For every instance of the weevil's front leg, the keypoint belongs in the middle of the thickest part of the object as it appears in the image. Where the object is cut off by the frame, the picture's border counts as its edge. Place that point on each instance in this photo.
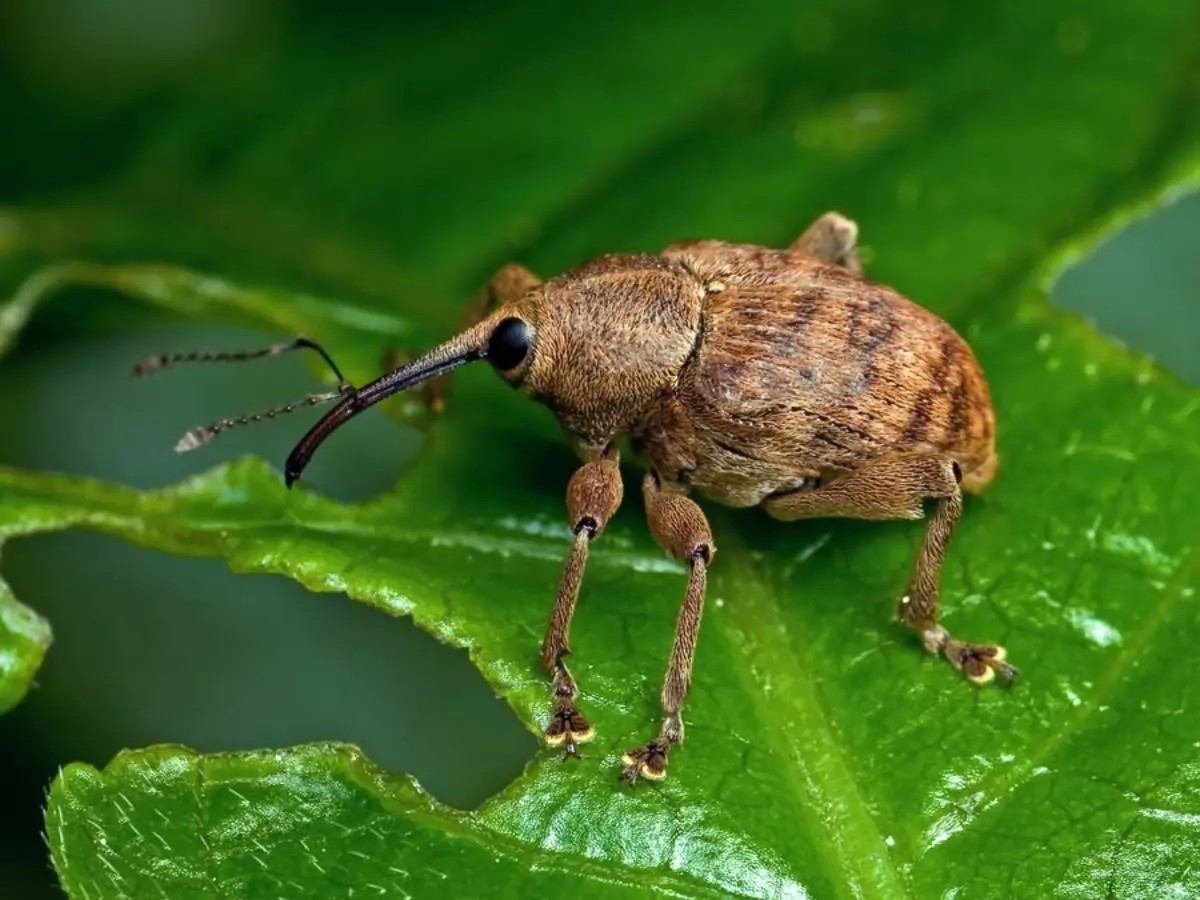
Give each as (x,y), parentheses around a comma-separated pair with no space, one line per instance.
(893,487)
(593,495)
(833,239)
(510,282)
(680,528)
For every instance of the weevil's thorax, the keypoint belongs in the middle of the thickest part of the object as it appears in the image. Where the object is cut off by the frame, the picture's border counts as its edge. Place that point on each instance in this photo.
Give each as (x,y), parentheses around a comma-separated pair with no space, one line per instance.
(612,337)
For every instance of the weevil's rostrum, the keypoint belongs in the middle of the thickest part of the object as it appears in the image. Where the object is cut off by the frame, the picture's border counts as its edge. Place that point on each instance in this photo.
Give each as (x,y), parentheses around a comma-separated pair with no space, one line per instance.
(751,376)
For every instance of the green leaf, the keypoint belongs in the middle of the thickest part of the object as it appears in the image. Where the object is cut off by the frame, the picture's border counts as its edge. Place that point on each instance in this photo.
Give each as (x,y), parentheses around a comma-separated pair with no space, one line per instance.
(24,638)
(222,825)
(825,755)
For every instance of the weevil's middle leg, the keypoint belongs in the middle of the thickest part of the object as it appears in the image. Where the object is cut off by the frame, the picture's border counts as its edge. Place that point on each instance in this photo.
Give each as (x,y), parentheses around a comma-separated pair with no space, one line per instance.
(893,487)
(680,528)
(593,495)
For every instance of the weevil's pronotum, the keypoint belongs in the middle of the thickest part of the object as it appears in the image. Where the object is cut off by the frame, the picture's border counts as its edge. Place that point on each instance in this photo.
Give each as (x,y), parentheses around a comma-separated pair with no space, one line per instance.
(753,376)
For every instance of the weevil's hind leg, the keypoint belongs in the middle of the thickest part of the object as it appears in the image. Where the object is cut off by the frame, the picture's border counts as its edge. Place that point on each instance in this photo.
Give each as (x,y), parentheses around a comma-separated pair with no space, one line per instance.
(680,528)
(510,282)
(919,608)
(833,239)
(593,496)
(894,487)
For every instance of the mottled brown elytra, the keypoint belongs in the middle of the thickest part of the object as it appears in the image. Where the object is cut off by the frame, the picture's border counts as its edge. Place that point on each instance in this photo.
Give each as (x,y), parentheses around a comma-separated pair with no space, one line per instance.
(754,376)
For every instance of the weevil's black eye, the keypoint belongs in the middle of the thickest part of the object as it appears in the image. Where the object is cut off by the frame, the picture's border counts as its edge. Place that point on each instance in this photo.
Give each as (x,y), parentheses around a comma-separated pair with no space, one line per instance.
(509,344)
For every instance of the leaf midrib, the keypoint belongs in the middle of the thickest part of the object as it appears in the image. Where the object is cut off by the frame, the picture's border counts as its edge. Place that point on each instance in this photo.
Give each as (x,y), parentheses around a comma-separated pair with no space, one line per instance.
(826,793)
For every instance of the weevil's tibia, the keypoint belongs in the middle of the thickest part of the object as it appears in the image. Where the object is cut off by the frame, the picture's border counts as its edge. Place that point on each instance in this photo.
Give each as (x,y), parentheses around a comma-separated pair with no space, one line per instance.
(567,728)
(680,528)
(152,364)
(593,496)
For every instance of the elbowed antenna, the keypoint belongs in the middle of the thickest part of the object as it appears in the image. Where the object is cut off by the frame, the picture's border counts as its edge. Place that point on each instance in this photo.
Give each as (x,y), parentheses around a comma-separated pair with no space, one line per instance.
(153,364)
(201,435)
(198,437)
(466,347)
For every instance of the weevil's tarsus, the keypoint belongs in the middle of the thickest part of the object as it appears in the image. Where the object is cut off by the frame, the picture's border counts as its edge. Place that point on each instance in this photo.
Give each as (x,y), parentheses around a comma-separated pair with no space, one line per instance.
(593,496)
(979,663)
(567,728)
(680,528)
(648,761)
(152,364)
(201,435)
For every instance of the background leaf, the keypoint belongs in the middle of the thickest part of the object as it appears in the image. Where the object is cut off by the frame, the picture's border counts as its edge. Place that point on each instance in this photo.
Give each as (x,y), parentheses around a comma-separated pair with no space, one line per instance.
(825,755)
(24,637)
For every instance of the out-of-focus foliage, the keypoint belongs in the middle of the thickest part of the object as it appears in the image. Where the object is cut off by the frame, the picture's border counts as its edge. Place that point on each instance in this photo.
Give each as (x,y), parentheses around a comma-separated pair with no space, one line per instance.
(825,755)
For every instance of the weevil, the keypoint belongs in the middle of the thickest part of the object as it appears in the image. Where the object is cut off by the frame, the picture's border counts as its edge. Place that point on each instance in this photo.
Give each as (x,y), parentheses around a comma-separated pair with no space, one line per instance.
(779,378)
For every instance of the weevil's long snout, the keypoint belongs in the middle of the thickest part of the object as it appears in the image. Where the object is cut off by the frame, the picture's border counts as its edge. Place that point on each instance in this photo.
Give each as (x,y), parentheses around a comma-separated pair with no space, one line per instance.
(466,347)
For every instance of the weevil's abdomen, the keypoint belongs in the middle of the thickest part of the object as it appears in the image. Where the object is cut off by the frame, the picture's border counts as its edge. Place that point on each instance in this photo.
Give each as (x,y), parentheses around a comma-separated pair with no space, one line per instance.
(805,373)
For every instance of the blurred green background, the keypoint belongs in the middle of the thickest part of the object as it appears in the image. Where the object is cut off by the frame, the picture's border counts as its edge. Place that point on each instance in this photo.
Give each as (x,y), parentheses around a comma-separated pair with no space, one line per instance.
(234,662)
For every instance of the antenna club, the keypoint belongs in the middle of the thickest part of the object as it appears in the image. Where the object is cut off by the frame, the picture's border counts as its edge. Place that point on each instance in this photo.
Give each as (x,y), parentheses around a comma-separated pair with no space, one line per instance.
(149,364)
(197,437)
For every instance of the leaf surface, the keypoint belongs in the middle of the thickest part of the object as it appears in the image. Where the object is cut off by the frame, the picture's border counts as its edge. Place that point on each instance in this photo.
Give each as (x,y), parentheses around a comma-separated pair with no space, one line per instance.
(826,756)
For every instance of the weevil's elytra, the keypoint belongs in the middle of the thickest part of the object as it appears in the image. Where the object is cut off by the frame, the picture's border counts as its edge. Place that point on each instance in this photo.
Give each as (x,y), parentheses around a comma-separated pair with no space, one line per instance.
(779,378)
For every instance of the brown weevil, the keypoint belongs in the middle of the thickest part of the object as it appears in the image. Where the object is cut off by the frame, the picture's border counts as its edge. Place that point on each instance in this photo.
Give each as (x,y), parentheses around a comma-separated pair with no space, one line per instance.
(754,376)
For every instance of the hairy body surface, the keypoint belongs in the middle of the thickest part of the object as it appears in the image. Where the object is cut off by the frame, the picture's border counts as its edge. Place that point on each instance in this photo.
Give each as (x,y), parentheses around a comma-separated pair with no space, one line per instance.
(753,376)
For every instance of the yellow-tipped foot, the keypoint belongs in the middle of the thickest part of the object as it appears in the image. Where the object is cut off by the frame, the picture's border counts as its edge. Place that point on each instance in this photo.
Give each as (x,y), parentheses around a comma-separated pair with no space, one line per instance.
(561,737)
(649,762)
(985,676)
(980,663)
(568,729)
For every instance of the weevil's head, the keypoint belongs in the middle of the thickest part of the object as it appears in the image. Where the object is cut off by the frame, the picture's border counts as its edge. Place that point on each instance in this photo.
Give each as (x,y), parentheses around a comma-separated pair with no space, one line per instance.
(604,342)
(598,345)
